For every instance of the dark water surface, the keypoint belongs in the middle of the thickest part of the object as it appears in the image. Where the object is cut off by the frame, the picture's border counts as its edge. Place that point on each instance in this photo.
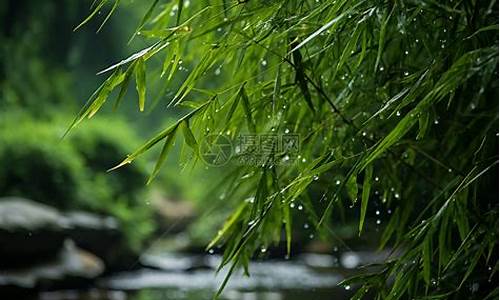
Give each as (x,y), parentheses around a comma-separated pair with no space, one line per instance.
(189,277)
(181,277)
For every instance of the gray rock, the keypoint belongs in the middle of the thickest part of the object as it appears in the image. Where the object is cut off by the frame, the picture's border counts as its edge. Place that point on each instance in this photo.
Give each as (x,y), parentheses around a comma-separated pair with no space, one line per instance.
(22,214)
(29,232)
(69,262)
(32,232)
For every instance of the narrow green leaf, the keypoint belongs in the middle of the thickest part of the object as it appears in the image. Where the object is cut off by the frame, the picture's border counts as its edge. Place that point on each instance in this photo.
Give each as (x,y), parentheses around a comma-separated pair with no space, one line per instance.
(390,229)
(115,79)
(246,107)
(351,45)
(365,195)
(124,86)
(115,5)
(352,188)
(319,31)
(228,225)
(205,63)
(277,87)
(92,14)
(300,78)
(176,59)
(234,105)
(472,264)
(364,46)
(288,228)
(427,258)
(143,53)
(483,29)
(423,125)
(226,279)
(169,141)
(140,81)
(160,136)
(145,18)
(188,136)
(381,39)
(180,5)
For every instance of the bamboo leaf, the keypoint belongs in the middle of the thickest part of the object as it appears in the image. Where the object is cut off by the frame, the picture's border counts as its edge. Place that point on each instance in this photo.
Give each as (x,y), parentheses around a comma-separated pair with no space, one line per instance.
(169,141)
(159,137)
(247,109)
(288,228)
(115,5)
(352,188)
(228,225)
(92,14)
(381,39)
(427,258)
(188,136)
(140,82)
(180,5)
(234,105)
(277,87)
(124,86)
(319,31)
(365,195)
(145,19)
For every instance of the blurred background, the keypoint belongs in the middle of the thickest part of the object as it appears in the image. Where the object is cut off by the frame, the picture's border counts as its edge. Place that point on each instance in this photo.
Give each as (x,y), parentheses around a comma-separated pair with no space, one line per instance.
(71,230)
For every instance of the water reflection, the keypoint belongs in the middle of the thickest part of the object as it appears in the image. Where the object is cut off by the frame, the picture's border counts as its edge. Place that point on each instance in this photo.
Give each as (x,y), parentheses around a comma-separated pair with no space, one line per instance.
(193,278)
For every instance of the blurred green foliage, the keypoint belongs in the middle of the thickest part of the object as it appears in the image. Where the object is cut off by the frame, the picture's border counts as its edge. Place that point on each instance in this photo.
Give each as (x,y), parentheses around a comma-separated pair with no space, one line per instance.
(71,174)
(46,71)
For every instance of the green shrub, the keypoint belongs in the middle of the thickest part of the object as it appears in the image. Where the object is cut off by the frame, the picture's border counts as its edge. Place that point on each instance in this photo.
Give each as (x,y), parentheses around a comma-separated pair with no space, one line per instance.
(71,173)
(36,165)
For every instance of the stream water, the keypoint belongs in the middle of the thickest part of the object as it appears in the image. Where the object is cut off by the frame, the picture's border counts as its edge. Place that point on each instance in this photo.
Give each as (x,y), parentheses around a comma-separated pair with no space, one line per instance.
(170,276)
(183,277)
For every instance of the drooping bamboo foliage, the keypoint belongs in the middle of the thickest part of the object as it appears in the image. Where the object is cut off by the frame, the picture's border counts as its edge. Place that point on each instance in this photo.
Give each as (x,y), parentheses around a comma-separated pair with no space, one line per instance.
(395,102)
